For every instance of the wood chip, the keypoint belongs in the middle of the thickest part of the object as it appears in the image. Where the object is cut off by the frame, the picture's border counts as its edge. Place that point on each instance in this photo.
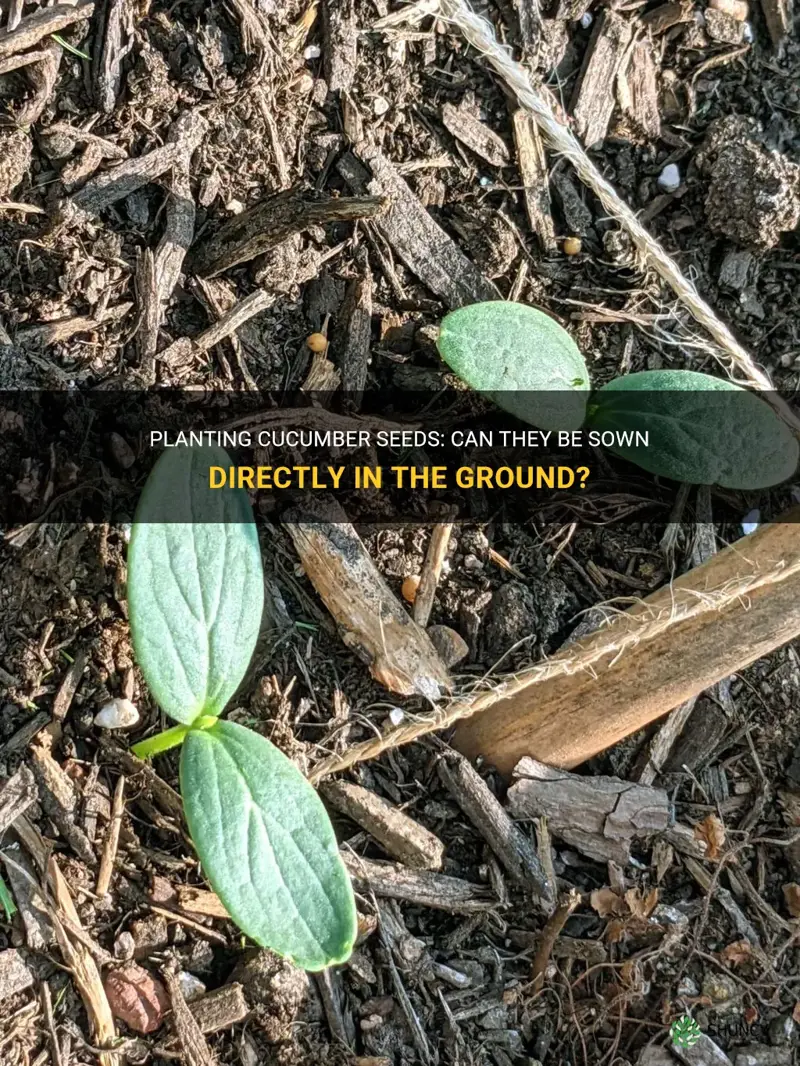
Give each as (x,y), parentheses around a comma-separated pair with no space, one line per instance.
(190,1036)
(512,847)
(600,816)
(663,18)
(593,99)
(60,801)
(468,129)
(16,795)
(391,881)
(15,974)
(69,686)
(776,16)
(431,571)
(341,39)
(535,180)
(401,837)
(41,24)
(63,329)
(116,36)
(399,653)
(111,842)
(353,336)
(704,1053)
(272,222)
(201,901)
(39,932)
(422,245)
(220,1009)
(638,89)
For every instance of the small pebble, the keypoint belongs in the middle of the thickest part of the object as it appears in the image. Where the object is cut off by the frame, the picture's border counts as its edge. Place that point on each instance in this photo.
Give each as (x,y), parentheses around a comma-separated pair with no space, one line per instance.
(670,178)
(751,521)
(117,714)
(484,182)
(719,987)
(317,342)
(236,207)
(380,105)
(451,646)
(397,716)
(572,246)
(304,84)
(191,986)
(747,33)
(587,18)
(472,562)
(410,587)
(312,52)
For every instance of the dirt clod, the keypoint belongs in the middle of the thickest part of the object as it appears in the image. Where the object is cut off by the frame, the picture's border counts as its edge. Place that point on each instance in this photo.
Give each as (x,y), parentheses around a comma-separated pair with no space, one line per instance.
(16,149)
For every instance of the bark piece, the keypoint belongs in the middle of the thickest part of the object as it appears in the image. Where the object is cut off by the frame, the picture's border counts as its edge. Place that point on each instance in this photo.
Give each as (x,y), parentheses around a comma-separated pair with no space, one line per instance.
(638,89)
(201,901)
(144,780)
(16,795)
(15,974)
(39,932)
(422,245)
(60,802)
(706,625)
(353,335)
(600,816)
(593,100)
(272,222)
(468,129)
(511,846)
(190,1036)
(63,329)
(776,16)
(399,653)
(117,41)
(41,24)
(389,880)
(535,180)
(704,1053)
(401,837)
(663,18)
(431,572)
(220,1009)
(184,137)
(341,39)
(69,686)
(25,734)
(43,75)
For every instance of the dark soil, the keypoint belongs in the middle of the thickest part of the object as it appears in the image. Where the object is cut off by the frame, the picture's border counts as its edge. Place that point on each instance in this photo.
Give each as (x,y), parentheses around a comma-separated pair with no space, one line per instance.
(260,74)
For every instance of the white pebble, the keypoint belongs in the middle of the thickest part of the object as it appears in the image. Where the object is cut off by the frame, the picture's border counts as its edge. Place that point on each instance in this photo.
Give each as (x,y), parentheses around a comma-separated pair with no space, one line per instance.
(484,182)
(747,33)
(670,178)
(191,987)
(312,52)
(397,716)
(380,105)
(587,18)
(117,714)
(751,521)
(236,207)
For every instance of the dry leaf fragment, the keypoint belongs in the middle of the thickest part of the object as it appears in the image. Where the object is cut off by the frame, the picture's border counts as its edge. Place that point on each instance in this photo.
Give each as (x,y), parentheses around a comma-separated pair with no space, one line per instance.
(736,953)
(796,1012)
(136,997)
(641,905)
(605,901)
(711,832)
(791,895)
(751,1016)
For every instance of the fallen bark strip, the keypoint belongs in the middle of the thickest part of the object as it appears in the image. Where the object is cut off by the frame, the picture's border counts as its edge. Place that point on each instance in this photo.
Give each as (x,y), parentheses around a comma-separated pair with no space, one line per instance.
(41,24)
(535,178)
(593,100)
(399,653)
(600,816)
(710,623)
(389,880)
(468,129)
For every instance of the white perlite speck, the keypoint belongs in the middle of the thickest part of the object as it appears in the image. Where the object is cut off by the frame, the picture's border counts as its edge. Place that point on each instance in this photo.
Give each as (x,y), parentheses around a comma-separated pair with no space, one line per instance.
(670,178)
(117,714)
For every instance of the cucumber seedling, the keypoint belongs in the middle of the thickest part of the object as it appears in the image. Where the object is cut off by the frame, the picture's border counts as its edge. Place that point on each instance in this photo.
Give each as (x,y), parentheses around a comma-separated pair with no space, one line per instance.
(195,598)
(528,365)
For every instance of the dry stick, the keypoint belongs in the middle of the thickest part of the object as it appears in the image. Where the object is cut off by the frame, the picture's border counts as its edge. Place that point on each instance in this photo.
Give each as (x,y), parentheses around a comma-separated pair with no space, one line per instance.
(768,564)
(431,572)
(551,932)
(560,138)
(112,839)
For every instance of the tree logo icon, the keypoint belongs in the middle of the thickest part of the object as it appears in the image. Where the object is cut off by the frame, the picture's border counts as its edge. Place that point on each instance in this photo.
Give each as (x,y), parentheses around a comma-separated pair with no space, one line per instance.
(685,1032)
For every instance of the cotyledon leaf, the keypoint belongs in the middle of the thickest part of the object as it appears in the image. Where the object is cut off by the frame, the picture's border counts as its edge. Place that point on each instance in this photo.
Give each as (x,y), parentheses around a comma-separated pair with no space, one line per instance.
(523,360)
(195,584)
(701,429)
(266,845)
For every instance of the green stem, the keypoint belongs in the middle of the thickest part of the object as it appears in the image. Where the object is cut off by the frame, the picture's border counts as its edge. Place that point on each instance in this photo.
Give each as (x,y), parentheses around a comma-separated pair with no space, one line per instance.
(170,738)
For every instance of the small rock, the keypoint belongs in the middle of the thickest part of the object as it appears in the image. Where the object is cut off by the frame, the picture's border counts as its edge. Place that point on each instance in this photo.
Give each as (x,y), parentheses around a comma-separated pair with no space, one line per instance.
(124,947)
(397,716)
(117,714)
(688,988)
(191,987)
(380,105)
(57,146)
(451,645)
(136,997)
(586,19)
(149,934)
(751,521)
(15,158)
(121,451)
(275,989)
(761,1055)
(472,562)
(495,1017)
(719,987)
(748,36)
(670,178)
(15,974)
(736,266)
(781,1030)
(510,619)
(723,27)
(313,51)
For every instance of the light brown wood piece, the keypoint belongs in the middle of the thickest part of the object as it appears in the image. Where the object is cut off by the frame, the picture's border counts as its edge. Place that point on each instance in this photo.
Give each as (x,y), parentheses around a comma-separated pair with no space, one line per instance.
(16,795)
(41,24)
(112,839)
(512,847)
(190,1035)
(638,89)
(432,571)
(400,836)
(341,41)
(399,653)
(593,100)
(468,129)
(550,934)
(220,1009)
(59,799)
(710,623)
(600,816)
(663,18)
(201,901)
(118,20)
(15,974)
(63,329)
(389,880)
(535,179)
(776,16)
(62,701)
(352,337)
(422,245)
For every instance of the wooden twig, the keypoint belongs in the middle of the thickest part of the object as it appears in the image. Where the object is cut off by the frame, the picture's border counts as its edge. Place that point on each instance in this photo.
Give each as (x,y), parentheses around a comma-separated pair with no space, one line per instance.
(550,933)
(432,571)
(389,880)
(41,24)
(112,839)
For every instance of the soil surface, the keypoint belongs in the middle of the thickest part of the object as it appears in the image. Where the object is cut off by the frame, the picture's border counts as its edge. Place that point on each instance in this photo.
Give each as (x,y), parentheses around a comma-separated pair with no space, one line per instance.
(256,98)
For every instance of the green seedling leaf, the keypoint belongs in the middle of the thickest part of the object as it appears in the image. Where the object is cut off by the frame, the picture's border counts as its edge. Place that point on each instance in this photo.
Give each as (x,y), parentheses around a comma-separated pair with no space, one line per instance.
(521,358)
(733,439)
(267,846)
(195,585)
